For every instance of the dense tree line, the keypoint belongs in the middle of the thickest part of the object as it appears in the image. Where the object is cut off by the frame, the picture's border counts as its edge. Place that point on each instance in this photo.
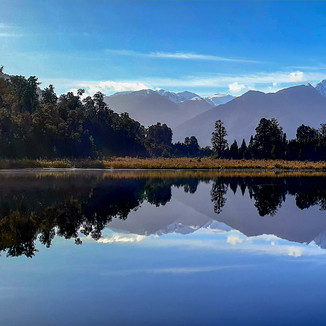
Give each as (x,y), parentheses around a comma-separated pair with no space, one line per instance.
(72,205)
(39,124)
(270,142)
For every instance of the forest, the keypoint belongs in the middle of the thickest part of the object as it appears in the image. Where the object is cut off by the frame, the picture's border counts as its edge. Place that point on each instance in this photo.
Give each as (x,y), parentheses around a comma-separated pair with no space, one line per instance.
(39,124)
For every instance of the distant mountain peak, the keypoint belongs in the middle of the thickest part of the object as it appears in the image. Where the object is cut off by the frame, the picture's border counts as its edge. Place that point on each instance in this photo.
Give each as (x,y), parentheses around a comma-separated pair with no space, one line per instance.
(321,88)
(176,97)
(218,99)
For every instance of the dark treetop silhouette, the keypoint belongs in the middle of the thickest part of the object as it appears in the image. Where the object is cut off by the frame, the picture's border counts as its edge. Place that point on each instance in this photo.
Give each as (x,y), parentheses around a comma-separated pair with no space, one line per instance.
(39,207)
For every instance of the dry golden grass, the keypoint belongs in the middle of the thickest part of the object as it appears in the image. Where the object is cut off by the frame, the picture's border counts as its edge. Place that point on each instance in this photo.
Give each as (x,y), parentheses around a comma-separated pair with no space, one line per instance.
(210,163)
(206,163)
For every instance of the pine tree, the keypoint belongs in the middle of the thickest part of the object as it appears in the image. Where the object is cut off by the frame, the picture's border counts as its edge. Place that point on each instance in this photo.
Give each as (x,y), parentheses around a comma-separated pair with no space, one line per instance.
(243,149)
(234,150)
(219,142)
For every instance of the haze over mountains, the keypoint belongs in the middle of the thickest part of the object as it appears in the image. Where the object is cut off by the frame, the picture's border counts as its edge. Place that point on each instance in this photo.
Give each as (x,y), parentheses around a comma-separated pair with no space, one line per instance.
(292,107)
(149,106)
(191,115)
(192,213)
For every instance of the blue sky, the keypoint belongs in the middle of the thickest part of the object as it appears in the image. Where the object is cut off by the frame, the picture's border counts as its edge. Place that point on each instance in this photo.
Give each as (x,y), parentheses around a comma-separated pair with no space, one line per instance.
(201,46)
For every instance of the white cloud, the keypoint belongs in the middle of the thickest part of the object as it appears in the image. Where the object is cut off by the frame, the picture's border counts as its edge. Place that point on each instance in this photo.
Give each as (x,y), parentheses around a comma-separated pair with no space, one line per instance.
(195,56)
(75,91)
(191,270)
(179,55)
(91,89)
(124,238)
(236,87)
(262,81)
(255,245)
(122,86)
(4,26)
(297,76)
(295,251)
(10,35)
(6,31)
(234,239)
(250,80)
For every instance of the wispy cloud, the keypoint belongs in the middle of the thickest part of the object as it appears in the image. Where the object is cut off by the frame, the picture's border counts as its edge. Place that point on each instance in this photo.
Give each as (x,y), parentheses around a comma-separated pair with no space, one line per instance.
(122,86)
(316,67)
(233,239)
(8,31)
(192,270)
(262,81)
(180,56)
(194,56)
(122,238)
(4,26)
(10,35)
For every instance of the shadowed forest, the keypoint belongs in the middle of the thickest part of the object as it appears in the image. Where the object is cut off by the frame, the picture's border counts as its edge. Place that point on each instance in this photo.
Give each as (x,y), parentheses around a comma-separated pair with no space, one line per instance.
(38,124)
(40,207)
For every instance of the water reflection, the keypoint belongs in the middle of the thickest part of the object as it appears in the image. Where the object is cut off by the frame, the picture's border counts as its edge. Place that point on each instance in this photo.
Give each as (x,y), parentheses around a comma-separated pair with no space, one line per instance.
(75,205)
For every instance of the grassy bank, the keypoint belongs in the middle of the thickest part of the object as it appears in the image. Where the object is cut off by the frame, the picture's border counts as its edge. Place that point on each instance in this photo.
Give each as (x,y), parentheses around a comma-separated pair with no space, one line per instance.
(165,163)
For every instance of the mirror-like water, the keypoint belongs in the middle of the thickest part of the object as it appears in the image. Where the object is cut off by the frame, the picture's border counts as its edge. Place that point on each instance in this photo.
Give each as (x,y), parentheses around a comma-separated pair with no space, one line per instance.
(158,248)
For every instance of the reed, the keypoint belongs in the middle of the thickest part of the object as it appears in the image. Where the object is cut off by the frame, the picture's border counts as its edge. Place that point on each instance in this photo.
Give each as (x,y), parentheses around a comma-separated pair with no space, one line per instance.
(206,163)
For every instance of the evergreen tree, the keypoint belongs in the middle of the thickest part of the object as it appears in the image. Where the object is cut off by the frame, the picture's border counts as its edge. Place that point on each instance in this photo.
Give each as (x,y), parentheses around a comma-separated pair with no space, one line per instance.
(234,150)
(242,149)
(219,142)
(49,96)
(250,148)
(268,141)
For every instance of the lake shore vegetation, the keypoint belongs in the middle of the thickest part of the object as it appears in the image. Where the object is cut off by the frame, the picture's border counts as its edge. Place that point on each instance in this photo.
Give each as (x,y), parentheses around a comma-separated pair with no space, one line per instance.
(197,163)
(40,129)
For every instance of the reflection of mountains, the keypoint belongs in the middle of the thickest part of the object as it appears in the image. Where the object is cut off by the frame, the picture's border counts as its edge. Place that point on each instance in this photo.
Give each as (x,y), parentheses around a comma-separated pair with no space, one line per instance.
(32,207)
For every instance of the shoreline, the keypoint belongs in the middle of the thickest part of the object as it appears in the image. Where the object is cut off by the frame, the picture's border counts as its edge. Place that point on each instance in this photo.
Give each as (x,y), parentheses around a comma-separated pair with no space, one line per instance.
(198,164)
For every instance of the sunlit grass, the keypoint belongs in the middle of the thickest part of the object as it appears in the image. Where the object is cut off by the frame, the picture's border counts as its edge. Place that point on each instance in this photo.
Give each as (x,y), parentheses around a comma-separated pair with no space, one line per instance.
(166,163)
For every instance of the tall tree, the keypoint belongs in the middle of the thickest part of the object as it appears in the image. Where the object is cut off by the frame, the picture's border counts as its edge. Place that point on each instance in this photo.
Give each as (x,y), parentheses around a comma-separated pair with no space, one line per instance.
(243,149)
(49,96)
(268,141)
(219,142)
(234,150)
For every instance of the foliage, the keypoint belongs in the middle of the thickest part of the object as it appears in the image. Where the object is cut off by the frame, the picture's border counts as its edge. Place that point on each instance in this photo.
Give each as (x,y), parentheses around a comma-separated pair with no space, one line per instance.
(219,142)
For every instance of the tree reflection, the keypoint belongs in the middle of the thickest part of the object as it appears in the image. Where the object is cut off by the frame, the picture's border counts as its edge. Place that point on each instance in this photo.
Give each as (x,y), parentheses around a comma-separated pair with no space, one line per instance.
(268,194)
(41,208)
(218,192)
(31,208)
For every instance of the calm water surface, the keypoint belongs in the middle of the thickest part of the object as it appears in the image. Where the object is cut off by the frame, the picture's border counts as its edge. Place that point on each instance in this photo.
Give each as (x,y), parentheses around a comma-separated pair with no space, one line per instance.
(162,248)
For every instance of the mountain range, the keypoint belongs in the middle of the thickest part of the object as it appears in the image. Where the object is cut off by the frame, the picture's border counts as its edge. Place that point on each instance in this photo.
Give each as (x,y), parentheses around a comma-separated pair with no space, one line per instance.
(191,115)
(292,107)
(191,213)
(149,106)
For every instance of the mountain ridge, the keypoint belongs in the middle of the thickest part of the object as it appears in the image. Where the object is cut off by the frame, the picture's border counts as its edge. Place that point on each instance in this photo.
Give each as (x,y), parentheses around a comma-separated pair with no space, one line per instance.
(293,106)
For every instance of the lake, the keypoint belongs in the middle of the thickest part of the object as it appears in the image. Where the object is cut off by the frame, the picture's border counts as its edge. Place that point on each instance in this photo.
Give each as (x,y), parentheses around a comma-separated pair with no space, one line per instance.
(87,247)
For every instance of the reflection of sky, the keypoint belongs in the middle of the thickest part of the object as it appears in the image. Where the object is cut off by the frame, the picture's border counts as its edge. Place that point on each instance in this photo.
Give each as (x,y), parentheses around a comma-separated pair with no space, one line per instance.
(210,239)
(181,267)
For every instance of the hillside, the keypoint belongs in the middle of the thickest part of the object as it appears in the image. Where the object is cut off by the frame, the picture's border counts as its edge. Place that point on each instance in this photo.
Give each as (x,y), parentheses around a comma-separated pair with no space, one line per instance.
(291,107)
(149,107)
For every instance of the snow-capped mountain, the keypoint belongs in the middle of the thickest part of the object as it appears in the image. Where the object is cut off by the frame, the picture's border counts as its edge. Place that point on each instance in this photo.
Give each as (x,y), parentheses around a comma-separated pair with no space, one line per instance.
(149,106)
(290,106)
(218,99)
(185,95)
(321,88)
(180,97)
(177,97)
(173,97)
